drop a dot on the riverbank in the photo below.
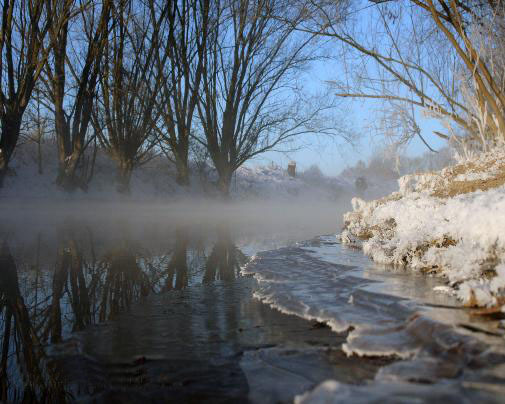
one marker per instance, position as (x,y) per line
(447,223)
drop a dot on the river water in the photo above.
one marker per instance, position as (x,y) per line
(188,303)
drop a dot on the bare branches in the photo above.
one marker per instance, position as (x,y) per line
(489,93)
(24,28)
(179,61)
(125,116)
(73,101)
(422,53)
(245,108)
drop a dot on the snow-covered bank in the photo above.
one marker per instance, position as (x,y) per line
(448,223)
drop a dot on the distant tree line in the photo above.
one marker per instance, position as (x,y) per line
(139,77)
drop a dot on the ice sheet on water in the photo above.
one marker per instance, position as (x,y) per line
(293,372)
(305,281)
(387,312)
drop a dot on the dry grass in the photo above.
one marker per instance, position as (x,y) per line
(464,187)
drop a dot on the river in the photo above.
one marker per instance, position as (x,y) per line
(192,303)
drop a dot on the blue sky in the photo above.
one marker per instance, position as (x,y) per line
(333,155)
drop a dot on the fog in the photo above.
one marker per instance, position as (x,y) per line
(274,222)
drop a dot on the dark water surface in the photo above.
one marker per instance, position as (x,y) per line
(144,306)
(138,307)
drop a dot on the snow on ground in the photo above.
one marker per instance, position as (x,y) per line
(448,223)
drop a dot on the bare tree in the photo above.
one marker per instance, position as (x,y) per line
(250,103)
(25,25)
(72,100)
(125,116)
(180,61)
(421,55)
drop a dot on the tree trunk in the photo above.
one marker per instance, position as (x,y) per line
(124,173)
(11,126)
(181,160)
(67,177)
(66,173)
(182,172)
(3,169)
(224,182)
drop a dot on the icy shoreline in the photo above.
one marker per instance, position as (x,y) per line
(440,351)
(448,223)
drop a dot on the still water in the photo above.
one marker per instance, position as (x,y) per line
(194,303)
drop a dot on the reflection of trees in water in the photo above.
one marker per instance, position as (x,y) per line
(21,345)
(123,281)
(43,303)
(70,296)
(177,268)
(225,260)
(189,261)
(84,292)
(69,278)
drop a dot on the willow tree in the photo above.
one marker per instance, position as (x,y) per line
(125,117)
(248,103)
(72,98)
(23,54)
(179,61)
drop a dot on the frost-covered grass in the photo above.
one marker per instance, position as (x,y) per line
(449,223)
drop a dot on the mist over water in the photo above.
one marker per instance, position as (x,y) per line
(267,220)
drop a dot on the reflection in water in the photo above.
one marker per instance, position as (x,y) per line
(225,260)
(21,345)
(123,281)
(44,302)
(69,271)
(177,268)
(180,323)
